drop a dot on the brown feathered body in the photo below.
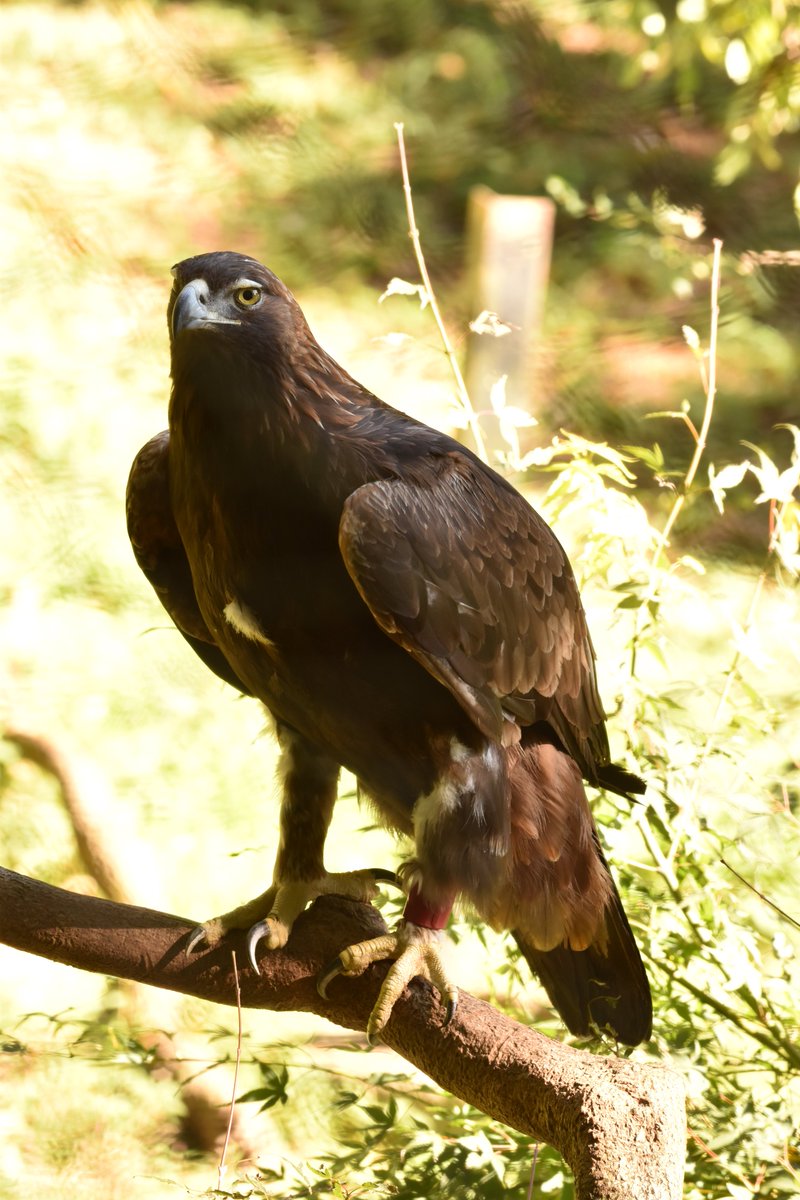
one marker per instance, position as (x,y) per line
(404,612)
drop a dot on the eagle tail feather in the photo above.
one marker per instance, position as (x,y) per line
(601,988)
(624,783)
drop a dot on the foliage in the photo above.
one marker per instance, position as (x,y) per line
(683,124)
(399,1149)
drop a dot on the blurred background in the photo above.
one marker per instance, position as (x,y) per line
(133,134)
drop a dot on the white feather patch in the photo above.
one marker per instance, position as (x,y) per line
(431,808)
(243,621)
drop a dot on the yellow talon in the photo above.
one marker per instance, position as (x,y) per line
(270,916)
(416,950)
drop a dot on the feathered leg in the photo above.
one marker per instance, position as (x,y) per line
(461,833)
(309,793)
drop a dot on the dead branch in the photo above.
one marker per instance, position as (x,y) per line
(619,1124)
(88,798)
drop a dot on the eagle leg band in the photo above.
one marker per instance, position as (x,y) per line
(419,912)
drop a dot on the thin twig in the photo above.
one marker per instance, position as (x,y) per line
(776,522)
(710,387)
(413,233)
(730,674)
(221,1168)
(760,895)
(709,383)
(532,1179)
(665,868)
(754,1027)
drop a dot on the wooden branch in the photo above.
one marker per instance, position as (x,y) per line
(619,1124)
(88,798)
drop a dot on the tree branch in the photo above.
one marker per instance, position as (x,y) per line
(619,1124)
(88,798)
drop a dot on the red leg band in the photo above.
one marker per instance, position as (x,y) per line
(420,912)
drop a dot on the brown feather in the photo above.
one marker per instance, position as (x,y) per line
(525,646)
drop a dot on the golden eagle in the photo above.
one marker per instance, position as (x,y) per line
(401,611)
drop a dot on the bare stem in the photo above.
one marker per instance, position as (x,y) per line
(413,233)
(709,382)
(730,675)
(710,387)
(221,1168)
(532,1179)
(761,895)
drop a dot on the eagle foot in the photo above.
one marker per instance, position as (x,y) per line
(270,916)
(417,951)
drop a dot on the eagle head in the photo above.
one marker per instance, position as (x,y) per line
(226,303)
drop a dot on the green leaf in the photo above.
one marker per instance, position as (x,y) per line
(721,482)
(401,287)
(377,1114)
(691,337)
(631,602)
(651,456)
(489,323)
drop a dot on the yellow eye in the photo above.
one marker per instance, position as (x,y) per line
(247,297)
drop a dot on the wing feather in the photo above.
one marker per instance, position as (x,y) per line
(159,552)
(468,578)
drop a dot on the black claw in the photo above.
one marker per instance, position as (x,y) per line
(327,974)
(381,875)
(254,936)
(195,938)
(372,1039)
(450,1011)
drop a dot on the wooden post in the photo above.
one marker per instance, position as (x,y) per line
(509,242)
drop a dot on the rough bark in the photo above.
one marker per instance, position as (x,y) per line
(619,1124)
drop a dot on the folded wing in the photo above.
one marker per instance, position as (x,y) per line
(160,553)
(465,575)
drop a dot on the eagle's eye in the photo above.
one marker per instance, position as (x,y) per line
(247,297)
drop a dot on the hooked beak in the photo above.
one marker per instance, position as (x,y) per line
(194,310)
